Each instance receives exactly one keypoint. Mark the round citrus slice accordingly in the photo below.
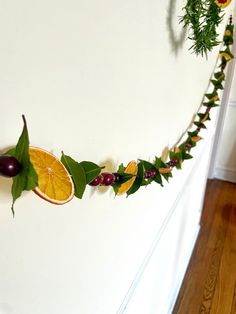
(54, 182)
(223, 3)
(132, 168)
(226, 55)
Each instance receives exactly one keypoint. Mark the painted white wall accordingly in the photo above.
(225, 167)
(99, 80)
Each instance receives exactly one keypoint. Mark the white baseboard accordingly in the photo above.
(232, 103)
(226, 174)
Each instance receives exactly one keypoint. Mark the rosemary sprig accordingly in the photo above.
(202, 18)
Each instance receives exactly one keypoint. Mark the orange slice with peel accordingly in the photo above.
(165, 170)
(223, 3)
(132, 168)
(55, 184)
(225, 55)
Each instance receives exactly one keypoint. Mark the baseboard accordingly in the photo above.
(176, 289)
(226, 174)
(232, 103)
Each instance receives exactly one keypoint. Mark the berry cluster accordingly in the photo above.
(105, 179)
(150, 174)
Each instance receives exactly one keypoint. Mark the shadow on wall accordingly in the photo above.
(231, 162)
(176, 40)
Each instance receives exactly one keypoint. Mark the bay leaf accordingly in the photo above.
(77, 174)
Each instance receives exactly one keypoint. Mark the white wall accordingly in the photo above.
(100, 81)
(225, 167)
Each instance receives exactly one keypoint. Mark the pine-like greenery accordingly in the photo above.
(202, 18)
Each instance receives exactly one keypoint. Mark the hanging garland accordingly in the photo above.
(202, 17)
(35, 169)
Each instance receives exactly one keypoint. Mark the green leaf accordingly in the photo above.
(211, 95)
(125, 177)
(121, 168)
(200, 124)
(186, 156)
(217, 84)
(220, 76)
(91, 170)
(146, 164)
(138, 181)
(158, 178)
(203, 115)
(77, 173)
(32, 179)
(160, 164)
(116, 187)
(191, 134)
(172, 155)
(27, 178)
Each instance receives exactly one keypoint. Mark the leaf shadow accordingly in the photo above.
(176, 41)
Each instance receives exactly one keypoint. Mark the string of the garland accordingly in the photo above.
(22, 162)
(202, 17)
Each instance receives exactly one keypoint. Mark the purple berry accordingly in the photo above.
(97, 181)
(108, 178)
(9, 166)
(175, 160)
(170, 163)
(153, 173)
(188, 146)
(116, 176)
(147, 174)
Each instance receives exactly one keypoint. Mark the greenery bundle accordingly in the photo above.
(202, 17)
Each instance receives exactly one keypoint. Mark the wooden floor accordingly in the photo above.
(209, 285)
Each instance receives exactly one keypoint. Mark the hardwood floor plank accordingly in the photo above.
(224, 294)
(209, 284)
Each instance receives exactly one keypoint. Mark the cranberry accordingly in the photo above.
(108, 178)
(9, 166)
(97, 181)
(116, 177)
(153, 173)
(188, 146)
(175, 160)
(147, 174)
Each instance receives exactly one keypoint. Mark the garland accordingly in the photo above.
(203, 17)
(16, 161)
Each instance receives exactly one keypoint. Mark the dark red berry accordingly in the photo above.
(147, 174)
(108, 178)
(9, 166)
(117, 177)
(153, 173)
(97, 181)
(175, 160)
(188, 146)
(208, 109)
(170, 163)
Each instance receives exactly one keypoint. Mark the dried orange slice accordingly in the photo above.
(132, 168)
(226, 55)
(223, 3)
(54, 182)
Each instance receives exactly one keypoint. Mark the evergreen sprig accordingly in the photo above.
(202, 18)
